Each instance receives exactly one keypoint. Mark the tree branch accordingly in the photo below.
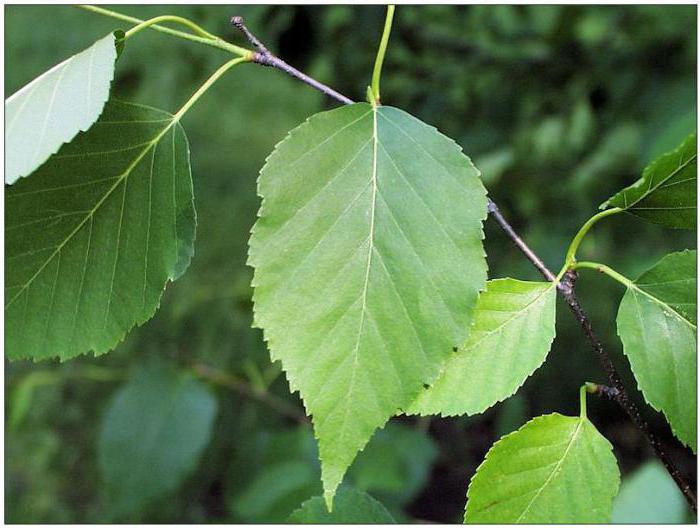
(565, 286)
(264, 57)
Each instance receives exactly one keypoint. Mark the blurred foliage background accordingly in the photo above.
(559, 106)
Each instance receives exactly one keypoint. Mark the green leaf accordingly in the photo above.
(553, 470)
(657, 325)
(152, 434)
(511, 335)
(666, 194)
(351, 507)
(94, 235)
(368, 261)
(650, 496)
(54, 107)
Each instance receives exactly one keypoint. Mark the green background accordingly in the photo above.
(559, 106)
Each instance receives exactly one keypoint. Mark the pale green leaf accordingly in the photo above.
(553, 470)
(666, 193)
(657, 325)
(350, 507)
(94, 235)
(511, 335)
(650, 496)
(368, 262)
(152, 435)
(54, 107)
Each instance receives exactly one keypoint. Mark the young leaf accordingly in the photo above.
(151, 436)
(54, 107)
(92, 238)
(666, 194)
(368, 262)
(555, 469)
(351, 507)
(512, 332)
(657, 324)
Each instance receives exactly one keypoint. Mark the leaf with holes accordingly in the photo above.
(351, 507)
(368, 262)
(152, 434)
(93, 237)
(657, 323)
(553, 470)
(666, 193)
(512, 331)
(57, 105)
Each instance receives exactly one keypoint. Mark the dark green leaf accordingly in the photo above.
(92, 238)
(666, 193)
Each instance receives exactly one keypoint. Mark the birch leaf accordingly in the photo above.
(657, 323)
(666, 193)
(553, 470)
(53, 108)
(368, 262)
(511, 335)
(93, 237)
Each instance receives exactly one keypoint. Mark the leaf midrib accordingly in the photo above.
(634, 287)
(121, 178)
(661, 182)
(555, 470)
(370, 251)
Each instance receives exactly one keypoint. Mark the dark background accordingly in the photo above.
(559, 106)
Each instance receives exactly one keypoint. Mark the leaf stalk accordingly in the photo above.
(376, 74)
(210, 40)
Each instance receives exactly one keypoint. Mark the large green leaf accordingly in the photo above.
(54, 107)
(152, 434)
(368, 262)
(94, 235)
(666, 193)
(650, 496)
(512, 331)
(553, 470)
(657, 322)
(351, 507)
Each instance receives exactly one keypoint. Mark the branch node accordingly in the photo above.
(237, 22)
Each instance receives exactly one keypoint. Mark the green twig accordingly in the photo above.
(210, 40)
(207, 84)
(576, 242)
(170, 18)
(604, 269)
(381, 52)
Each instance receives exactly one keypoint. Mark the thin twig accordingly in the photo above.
(565, 286)
(224, 379)
(264, 57)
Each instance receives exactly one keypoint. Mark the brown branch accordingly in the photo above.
(266, 58)
(565, 286)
